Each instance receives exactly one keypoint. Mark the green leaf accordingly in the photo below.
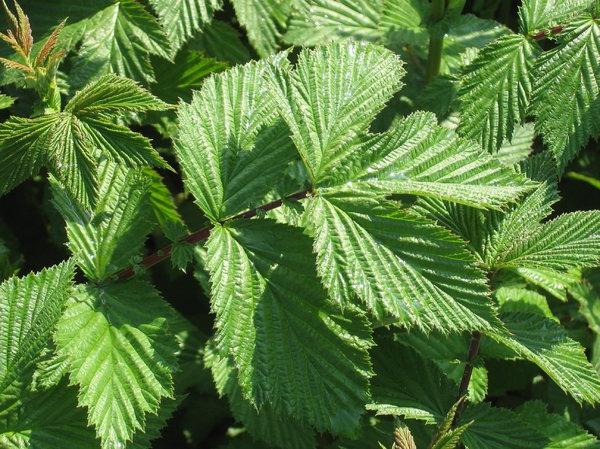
(565, 96)
(176, 80)
(496, 89)
(539, 14)
(6, 101)
(120, 353)
(73, 162)
(119, 39)
(120, 144)
(23, 144)
(561, 433)
(181, 19)
(29, 309)
(466, 34)
(264, 424)
(112, 94)
(499, 428)
(316, 22)
(569, 241)
(271, 314)
(44, 420)
(514, 150)
(264, 20)
(221, 41)
(331, 97)
(545, 343)
(397, 264)
(415, 389)
(231, 147)
(106, 238)
(418, 157)
(168, 217)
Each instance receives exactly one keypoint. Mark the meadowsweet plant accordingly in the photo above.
(361, 206)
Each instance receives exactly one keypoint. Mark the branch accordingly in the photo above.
(466, 377)
(197, 236)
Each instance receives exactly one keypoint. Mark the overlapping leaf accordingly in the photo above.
(318, 21)
(120, 353)
(29, 309)
(418, 157)
(332, 96)
(231, 147)
(540, 14)
(397, 264)
(119, 39)
(495, 91)
(565, 96)
(44, 420)
(428, 397)
(271, 314)
(545, 343)
(106, 238)
(181, 19)
(70, 142)
(264, 20)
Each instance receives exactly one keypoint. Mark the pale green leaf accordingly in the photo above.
(316, 22)
(230, 144)
(514, 150)
(120, 353)
(6, 101)
(271, 314)
(495, 91)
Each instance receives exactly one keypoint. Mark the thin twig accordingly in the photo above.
(466, 377)
(197, 236)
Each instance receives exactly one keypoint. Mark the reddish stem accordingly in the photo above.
(547, 33)
(197, 236)
(467, 373)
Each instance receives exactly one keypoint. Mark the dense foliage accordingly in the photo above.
(361, 204)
